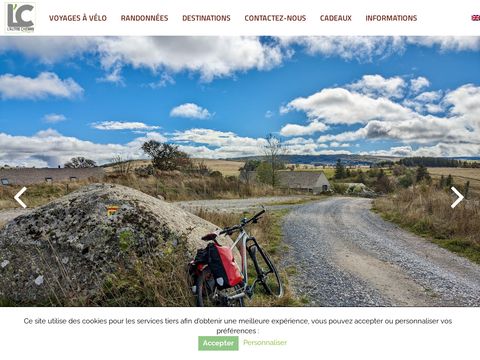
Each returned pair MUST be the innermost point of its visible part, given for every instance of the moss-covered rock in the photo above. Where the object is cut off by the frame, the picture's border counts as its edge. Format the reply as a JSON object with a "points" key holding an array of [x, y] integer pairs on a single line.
{"points": [[77, 243]]}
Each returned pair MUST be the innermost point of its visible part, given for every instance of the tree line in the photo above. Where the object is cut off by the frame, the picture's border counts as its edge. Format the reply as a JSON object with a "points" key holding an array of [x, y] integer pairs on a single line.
{"points": [[437, 162]]}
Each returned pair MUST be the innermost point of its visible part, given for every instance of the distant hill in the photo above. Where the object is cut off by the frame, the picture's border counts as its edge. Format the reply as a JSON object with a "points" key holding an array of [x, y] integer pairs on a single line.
{"points": [[347, 159]]}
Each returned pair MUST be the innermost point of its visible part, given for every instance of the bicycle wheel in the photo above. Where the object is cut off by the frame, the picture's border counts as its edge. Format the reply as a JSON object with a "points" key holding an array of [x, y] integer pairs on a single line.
{"points": [[267, 273], [208, 293]]}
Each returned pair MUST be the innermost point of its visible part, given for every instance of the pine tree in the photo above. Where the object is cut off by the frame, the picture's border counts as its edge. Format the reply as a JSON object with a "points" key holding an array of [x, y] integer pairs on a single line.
{"points": [[441, 182], [422, 173], [467, 188], [449, 181], [339, 170]]}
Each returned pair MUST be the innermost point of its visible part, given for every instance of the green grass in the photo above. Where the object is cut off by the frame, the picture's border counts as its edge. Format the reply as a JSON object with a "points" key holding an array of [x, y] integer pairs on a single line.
{"points": [[268, 233], [275, 247], [461, 247], [125, 240], [425, 229]]}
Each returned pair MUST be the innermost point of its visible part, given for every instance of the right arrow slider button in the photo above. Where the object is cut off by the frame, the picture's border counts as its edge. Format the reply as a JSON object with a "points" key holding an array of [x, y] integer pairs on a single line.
{"points": [[460, 197]]}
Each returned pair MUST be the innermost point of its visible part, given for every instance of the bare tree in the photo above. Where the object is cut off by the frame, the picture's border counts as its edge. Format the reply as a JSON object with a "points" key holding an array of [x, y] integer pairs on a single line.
{"points": [[273, 150], [121, 166]]}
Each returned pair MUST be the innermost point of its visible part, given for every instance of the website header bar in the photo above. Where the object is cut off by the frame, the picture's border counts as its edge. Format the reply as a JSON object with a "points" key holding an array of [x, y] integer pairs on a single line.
{"points": [[248, 17]]}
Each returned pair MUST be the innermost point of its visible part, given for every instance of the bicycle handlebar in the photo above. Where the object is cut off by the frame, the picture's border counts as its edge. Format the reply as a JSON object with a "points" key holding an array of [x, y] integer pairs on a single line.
{"points": [[229, 230]]}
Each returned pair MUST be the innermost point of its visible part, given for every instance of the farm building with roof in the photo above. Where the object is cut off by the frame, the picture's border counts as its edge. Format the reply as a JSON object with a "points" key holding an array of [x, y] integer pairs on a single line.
{"points": [[312, 181]]}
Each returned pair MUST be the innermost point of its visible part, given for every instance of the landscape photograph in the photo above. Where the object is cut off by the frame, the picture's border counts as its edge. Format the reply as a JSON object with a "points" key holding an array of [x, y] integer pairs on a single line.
{"points": [[324, 171]]}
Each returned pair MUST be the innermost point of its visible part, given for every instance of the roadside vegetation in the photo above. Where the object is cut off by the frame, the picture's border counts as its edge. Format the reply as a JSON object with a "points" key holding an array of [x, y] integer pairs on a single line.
{"points": [[268, 233], [420, 202], [147, 281], [164, 280], [38, 194], [170, 174]]}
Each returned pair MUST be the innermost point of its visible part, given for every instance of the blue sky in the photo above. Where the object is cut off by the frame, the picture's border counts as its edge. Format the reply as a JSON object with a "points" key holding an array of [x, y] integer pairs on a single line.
{"points": [[218, 97]]}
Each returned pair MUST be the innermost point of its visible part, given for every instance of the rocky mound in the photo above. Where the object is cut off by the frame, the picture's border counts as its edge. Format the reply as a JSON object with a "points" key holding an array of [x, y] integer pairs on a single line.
{"points": [[69, 247]]}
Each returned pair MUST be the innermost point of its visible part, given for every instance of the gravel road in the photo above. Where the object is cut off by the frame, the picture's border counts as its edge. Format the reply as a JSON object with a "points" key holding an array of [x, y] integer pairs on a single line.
{"points": [[239, 205], [347, 255], [233, 205]]}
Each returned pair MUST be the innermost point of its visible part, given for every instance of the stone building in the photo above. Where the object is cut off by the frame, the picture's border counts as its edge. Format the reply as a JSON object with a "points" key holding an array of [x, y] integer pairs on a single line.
{"points": [[28, 176], [311, 181]]}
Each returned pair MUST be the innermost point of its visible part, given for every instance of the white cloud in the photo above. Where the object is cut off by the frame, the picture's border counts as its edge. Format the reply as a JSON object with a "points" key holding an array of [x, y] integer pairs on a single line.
{"points": [[164, 81], [333, 152], [44, 85], [378, 86], [214, 57], [429, 96], [447, 43], [269, 114], [211, 57], [54, 118], [420, 129], [428, 102], [123, 125], [113, 76], [369, 48], [299, 141], [465, 100], [337, 144], [50, 148], [344, 136], [299, 130], [230, 145], [49, 49], [217, 138], [434, 108], [340, 106], [190, 110], [418, 84], [413, 121], [437, 150], [361, 48]]}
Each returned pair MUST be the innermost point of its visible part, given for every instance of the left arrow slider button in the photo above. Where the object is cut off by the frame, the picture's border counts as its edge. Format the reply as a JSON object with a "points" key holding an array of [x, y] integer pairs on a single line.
{"points": [[17, 197]]}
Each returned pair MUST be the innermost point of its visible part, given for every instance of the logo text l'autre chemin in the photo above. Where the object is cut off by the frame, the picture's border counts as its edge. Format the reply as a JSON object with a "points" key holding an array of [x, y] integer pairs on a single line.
{"points": [[20, 17]]}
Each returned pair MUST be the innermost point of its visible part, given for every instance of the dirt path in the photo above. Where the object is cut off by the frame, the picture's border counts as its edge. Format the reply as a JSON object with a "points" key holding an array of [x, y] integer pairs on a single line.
{"points": [[10, 214], [232, 205], [348, 256]]}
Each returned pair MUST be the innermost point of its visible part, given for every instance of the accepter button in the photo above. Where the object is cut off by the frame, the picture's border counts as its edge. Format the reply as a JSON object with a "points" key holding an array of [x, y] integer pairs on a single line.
{"points": [[218, 343]]}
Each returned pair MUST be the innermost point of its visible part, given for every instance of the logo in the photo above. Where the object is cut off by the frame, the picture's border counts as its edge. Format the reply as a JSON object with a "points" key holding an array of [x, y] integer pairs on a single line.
{"points": [[475, 17], [20, 17]]}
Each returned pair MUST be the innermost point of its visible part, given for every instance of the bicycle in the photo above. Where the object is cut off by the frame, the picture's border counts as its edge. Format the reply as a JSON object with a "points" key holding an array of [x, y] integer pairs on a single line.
{"points": [[207, 292]]}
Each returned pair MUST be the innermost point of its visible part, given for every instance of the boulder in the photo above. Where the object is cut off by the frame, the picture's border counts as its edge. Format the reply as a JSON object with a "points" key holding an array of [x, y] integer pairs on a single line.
{"points": [[70, 246]]}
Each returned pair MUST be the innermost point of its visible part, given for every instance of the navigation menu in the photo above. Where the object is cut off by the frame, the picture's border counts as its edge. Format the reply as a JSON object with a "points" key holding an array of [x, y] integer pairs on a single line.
{"points": [[252, 17]]}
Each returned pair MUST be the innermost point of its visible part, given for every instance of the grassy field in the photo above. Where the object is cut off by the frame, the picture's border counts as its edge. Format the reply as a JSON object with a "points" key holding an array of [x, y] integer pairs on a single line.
{"points": [[460, 177], [172, 186], [38, 194], [328, 170], [226, 167]]}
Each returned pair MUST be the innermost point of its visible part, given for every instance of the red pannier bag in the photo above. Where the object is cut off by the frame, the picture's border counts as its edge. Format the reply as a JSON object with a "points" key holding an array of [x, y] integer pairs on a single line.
{"points": [[223, 266]]}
